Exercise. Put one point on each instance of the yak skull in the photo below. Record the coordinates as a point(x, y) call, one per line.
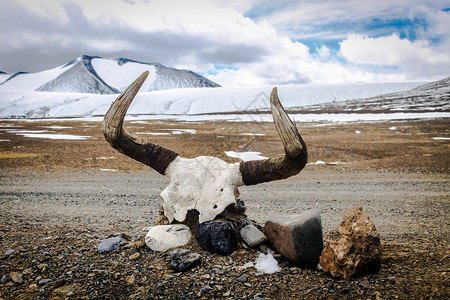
point(206, 184)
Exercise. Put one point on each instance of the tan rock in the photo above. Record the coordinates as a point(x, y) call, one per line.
point(16, 277)
point(131, 279)
point(352, 248)
point(135, 256)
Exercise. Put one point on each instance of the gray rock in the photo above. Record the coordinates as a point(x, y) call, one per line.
point(44, 281)
point(242, 279)
point(297, 237)
point(10, 252)
point(109, 244)
point(4, 279)
point(217, 237)
point(183, 259)
point(252, 236)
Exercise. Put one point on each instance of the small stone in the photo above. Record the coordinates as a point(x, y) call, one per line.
point(217, 237)
point(164, 237)
point(352, 248)
point(4, 279)
point(33, 287)
point(66, 290)
point(136, 244)
point(44, 281)
point(219, 271)
point(226, 294)
point(16, 277)
point(135, 256)
point(183, 260)
point(10, 252)
point(242, 279)
point(365, 284)
point(252, 236)
point(131, 279)
point(109, 244)
point(297, 237)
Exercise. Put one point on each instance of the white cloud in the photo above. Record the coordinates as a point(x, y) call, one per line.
point(417, 57)
point(201, 35)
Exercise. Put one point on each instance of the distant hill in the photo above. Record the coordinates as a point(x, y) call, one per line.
point(102, 75)
point(429, 97)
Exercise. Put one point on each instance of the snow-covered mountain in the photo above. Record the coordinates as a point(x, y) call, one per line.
point(195, 103)
point(98, 75)
point(430, 97)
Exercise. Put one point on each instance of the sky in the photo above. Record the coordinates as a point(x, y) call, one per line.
point(236, 42)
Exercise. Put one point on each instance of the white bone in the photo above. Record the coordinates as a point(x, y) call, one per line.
point(206, 184)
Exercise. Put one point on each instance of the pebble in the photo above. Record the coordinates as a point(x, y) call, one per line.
point(16, 277)
point(110, 244)
point(183, 260)
point(44, 281)
point(4, 279)
point(135, 256)
point(10, 252)
point(131, 279)
point(242, 279)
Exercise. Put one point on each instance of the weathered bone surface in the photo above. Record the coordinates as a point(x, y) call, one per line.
point(206, 184)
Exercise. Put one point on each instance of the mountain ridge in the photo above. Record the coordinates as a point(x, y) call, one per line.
point(93, 75)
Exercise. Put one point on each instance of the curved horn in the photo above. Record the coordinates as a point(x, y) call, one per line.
point(296, 154)
point(143, 151)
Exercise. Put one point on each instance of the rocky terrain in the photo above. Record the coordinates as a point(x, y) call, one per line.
point(60, 197)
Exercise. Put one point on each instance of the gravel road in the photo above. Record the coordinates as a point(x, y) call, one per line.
point(402, 205)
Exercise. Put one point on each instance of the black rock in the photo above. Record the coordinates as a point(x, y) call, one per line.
point(217, 237)
point(183, 259)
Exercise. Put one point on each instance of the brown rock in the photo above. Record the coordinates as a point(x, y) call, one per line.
point(298, 237)
point(352, 248)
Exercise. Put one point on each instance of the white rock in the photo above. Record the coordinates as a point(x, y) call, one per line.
point(207, 184)
point(164, 237)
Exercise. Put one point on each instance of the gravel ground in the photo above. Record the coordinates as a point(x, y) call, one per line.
point(54, 210)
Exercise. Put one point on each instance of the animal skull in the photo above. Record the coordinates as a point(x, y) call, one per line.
point(206, 184)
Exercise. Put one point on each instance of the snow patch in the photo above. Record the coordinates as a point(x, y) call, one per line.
point(245, 156)
point(54, 136)
point(440, 138)
point(267, 264)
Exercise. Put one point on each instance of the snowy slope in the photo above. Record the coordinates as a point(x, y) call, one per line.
point(30, 81)
point(97, 75)
point(30, 104)
point(434, 96)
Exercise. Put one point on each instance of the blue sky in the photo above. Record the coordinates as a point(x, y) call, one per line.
point(253, 42)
